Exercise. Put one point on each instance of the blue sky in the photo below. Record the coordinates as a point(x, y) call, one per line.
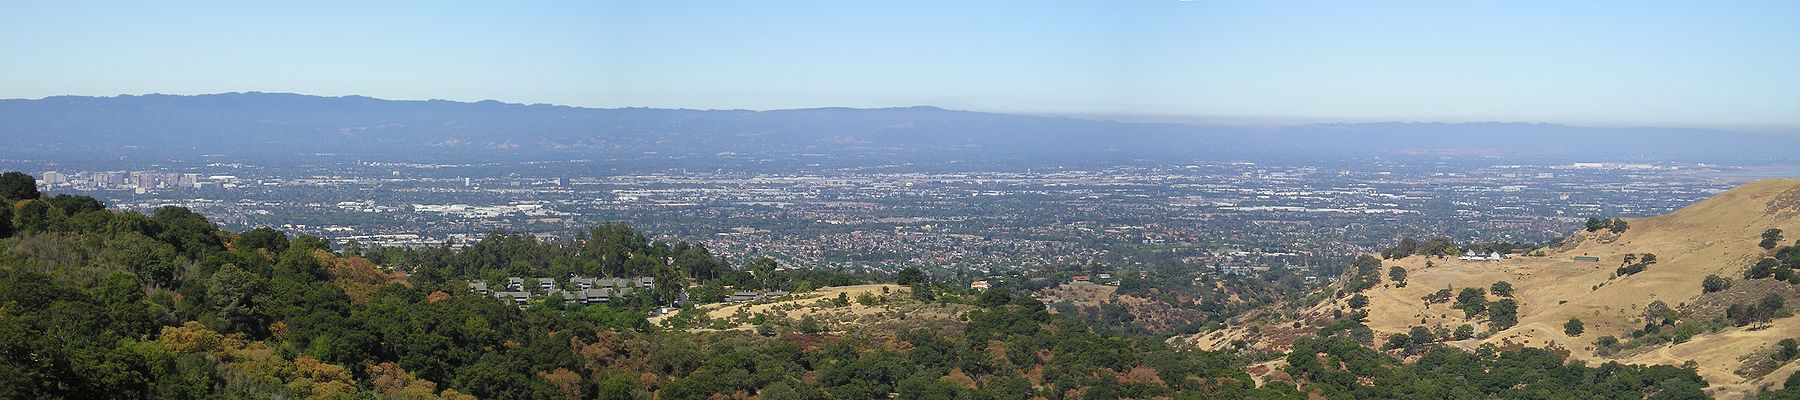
point(1640, 63)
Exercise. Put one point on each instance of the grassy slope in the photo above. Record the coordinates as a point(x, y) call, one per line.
point(1715, 236)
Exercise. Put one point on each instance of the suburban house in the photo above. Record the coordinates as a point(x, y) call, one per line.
point(1471, 255)
point(980, 285)
point(595, 296)
point(519, 298)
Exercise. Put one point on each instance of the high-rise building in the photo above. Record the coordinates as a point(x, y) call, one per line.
point(54, 178)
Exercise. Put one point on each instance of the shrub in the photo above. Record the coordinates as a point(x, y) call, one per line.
point(1787, 349)
point(1464, 331)
point(1714, 283)
point(1606, 345)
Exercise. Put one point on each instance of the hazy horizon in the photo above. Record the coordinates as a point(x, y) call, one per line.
point(1241, 121)
point(1597, 64)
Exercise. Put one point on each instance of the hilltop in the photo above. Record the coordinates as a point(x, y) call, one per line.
point(1584, 277)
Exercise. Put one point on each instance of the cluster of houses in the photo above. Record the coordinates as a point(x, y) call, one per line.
point(743, 295)
point(1471, 255)
point(583, 289)
point(587, 290)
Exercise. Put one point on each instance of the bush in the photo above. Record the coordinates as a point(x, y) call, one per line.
point(1686, 331)
point(1764, 268)
point(1714, 283)
point(1398, 341)
point(1606, 345)
point(1659, 313)
point(1463, 331)
point(1442, 295)
point(807, 325)
point(1787, 349)
point(1631, 269)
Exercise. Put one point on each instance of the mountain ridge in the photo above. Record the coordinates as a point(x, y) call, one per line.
point(258, 122)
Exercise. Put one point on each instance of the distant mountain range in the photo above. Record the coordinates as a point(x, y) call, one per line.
point(263, 123)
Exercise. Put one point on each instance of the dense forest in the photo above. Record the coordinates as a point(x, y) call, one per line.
point(100, 303)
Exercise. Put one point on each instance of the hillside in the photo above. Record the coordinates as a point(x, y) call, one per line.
point(869, 307)
point(1718, 236)
point(99, 303)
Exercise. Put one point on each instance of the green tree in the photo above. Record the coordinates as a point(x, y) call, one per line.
point(1659, 313)
point(1501, 288)
point(1406, 247)
point(1398, 341)
point(6, 220)
point(1440, 296)
point(18, 186)
point(1574, 327)
point(263, 238)
point(1596, 224)
point(1618, 226)
point(1464, 331)
point(1358, 301)
point(1365, 273)
point(233, 293)
point(1714, 283)
point(37, 216)
point(910, 276)
point(1473, 301)
point(1772, 303)
point(1503, 314)
point(764, 268)
point(1770, 238)
point(1398, 275)
point(1764, 268)
point(70, 205)
point(1420, 335)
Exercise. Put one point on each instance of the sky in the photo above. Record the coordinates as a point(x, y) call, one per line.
point(1730, 64)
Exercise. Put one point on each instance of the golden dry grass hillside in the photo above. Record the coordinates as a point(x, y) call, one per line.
point(872, 307)
point(1719, 236)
